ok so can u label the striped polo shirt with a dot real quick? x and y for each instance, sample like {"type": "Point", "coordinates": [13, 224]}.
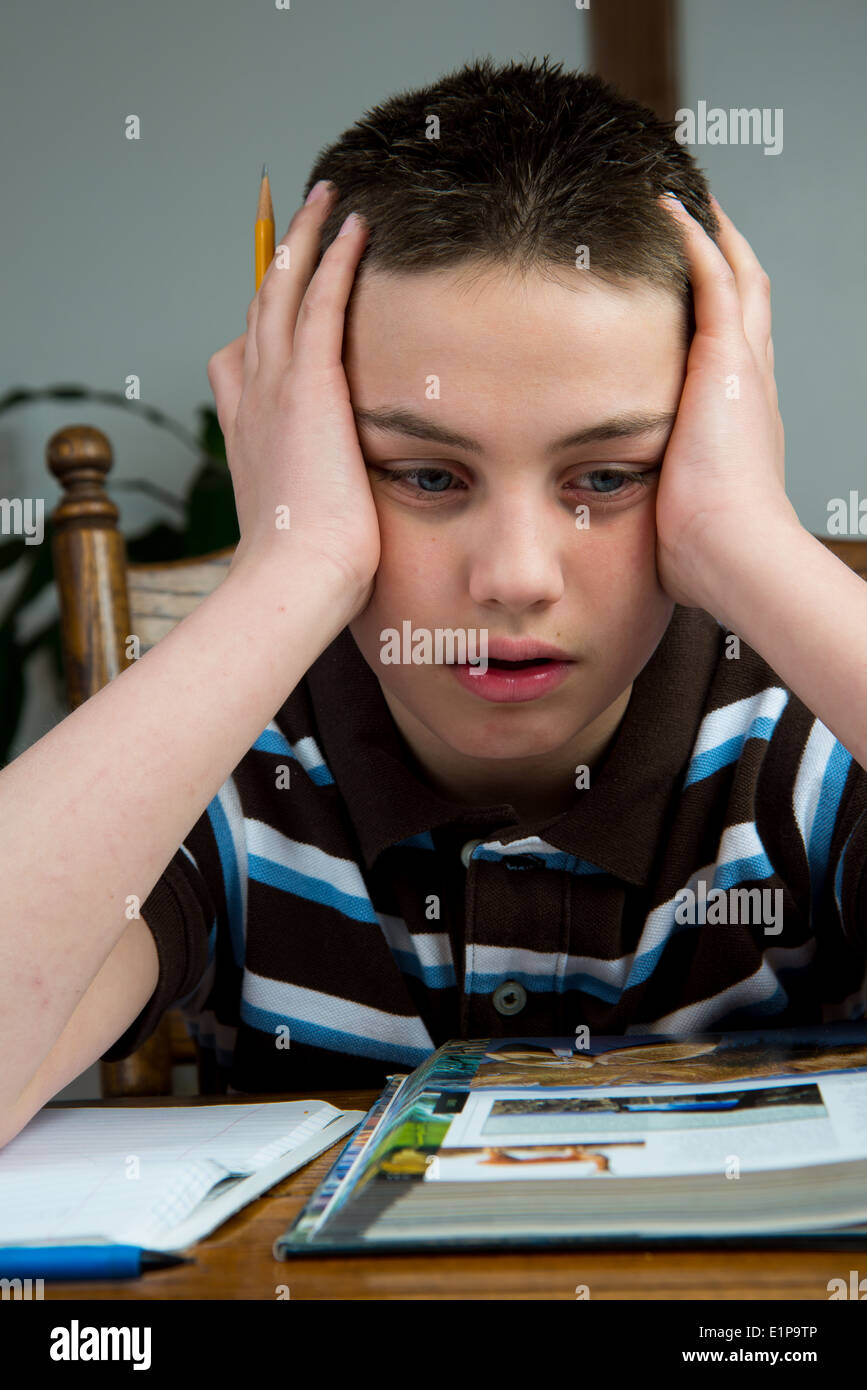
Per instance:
{"type": "Point", "coordinates": [331, 917]}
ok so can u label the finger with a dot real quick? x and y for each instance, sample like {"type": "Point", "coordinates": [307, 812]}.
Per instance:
{"type": "Point", "coordinates": [226, 377]}
{"type": "Point", "coordinates": [232, 368]}
{"type": "Point", "coordinates": [715, 293]}
{"type": "Point", "coordinates": [251, 351]}
{"type": "Point", "coordinates": [321, 321]}
{"type": "Point", "coordinates": [285, 282]}
{"type": "Point", "coordinates": [754, 286]}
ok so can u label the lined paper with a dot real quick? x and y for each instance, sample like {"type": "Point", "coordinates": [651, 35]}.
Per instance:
{"type": "Point", "coordinates": [241, 1137]}
{"type": "Point", "coordinates": [134, 1173]}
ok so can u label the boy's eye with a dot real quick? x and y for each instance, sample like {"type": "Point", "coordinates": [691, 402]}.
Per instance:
{"type": "Point", "coordinates": [428, 479]}
{"type": "Point", "coordinates": [430, 482]}
{"type": "Point", "coordinates": [419, 482]}
{"type": "Point", "coordinates": [605, 476]}
{"type": "Point", "coordinates": [614, 481]}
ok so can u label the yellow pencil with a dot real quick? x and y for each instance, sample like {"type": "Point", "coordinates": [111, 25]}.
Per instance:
{"type": "Point", "coordinates": [264, 229]}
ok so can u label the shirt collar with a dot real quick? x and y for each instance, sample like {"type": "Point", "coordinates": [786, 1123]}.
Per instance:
{"type": "Point", "coordinates": [615, 823]}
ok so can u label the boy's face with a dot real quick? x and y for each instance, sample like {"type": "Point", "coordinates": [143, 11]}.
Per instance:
{"type": "Point", "coordinates": [487, 538]}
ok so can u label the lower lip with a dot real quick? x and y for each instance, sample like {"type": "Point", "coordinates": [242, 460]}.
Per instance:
{"type": "Point", "coordinates": [504, 686]}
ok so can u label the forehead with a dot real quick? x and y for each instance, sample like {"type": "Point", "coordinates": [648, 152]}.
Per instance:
{"type": "Point", "coordinates": [497, 333]}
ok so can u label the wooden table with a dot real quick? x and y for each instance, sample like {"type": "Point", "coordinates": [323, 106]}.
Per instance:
{"type": "Point", "coordinates": [236, 1262]}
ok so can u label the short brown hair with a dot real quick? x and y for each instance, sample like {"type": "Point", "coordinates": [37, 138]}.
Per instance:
{"type": "Point", "coordinates": [530, 162]}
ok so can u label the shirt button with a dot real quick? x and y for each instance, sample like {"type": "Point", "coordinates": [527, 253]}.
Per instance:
{"type": "Point", "coordinates": [467, 851]}
{"type": "Point", "coordinates": [509, 997]}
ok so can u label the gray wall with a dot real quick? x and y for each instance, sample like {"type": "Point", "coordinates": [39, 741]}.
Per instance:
{"type": "Point", "coordinates": [135, 257]}
{"type": "Point", "coordinates": [803, 211]}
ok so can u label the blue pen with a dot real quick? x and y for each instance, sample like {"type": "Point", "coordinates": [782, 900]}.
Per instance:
{"type": "Point", "coordinates": [82, 1261]}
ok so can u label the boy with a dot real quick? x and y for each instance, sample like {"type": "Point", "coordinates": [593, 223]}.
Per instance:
{"type": "Point", "coordinates": [627, 789]}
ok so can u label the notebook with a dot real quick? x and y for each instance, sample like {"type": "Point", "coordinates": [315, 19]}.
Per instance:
{"type": "Point", "coordinates": [741, 1138]}
{"type": "Point", "coordinates": [160, 1177]}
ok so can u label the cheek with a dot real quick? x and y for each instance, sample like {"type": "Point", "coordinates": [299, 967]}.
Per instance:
{"type": "Point", "coordinates": [419, 567]}
{"type": "Point", "coordinates": [614, 564]}
{"type": "Point", "coordinates": [622, 603]}
{"type": "Point", "coordinates": [415, 581]}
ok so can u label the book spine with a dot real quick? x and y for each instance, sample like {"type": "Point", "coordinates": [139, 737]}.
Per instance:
{"type": "Point", "coordinates": [337, 1181]}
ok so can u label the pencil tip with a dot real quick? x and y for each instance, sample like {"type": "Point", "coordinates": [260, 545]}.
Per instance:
{"type": "Point", "coordinates": [264, 173]}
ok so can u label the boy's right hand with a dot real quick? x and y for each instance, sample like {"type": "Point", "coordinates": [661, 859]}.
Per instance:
{"type": "Point", "coordinates": [284, 408]}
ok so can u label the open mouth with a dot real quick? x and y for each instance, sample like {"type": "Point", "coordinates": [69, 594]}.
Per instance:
{"type": "Point", "coordinates": [505, 681]}
{"type": "Point", "coordinates": [519, 665]}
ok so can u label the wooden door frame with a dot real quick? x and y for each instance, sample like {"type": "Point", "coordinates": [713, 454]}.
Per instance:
{"type": "Point", "coordinates": [633, 47]}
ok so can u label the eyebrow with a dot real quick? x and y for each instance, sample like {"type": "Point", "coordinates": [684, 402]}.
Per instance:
{"type": "Point", "coordinates": [399, 420]}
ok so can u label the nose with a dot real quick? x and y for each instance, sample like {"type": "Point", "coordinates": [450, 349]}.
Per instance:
{"type": "Point", "coordinates": [515, 560]}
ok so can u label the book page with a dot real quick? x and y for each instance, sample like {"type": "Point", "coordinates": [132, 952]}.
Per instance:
{"type": "Point", "coordinates": [240, 1137]}
{"type": "Point", "coordinates": [95, 1202]}
{"type": "Point", "coordinates": [136, 1173]}
{"type": "Point", "coordinates": [634, 1131]}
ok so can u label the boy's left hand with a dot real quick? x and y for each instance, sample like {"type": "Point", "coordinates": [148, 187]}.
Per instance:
{"type": "Point", "coordinates": [722, 482]}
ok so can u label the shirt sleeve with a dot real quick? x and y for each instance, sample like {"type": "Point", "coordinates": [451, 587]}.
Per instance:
{"type": "Point", "coordinates": [850, 884]}
{"type": "Point", "coordinates": [181, 914]}
{"type": "Point", "coordinates": [845, 885]}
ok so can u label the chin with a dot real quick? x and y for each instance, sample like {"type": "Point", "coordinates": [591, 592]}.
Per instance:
{"type": "Point", "coordinates": [509, 737]}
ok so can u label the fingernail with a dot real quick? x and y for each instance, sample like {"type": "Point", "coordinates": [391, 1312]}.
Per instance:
{"type": "Point", "coordinates": [317, 191]}
{"type": "Point", "coordinates": [352, 221]}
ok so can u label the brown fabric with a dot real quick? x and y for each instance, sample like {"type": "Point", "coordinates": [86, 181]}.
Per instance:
{"type": "Point", "coordinates": [337, 943]}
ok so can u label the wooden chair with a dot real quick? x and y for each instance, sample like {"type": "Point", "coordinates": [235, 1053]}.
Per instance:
{"type": "Point", "coordinates": [852, 553]}
{"type": "Point", "coordinates": [102, 600]}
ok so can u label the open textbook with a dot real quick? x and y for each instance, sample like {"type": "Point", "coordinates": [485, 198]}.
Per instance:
{"type": "Point", "coordinates": [738, 1138]}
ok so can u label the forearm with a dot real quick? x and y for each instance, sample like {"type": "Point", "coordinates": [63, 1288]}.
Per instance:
{"type": "Point", "coordinates": [92, 813]}
{"type": "Point", "coordinates": [805, 613]}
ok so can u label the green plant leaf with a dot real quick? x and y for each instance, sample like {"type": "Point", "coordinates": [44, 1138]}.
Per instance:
{"type": "Point", "coordinates": [161, 543]}
{"type": "Point", "coordinates": [11, 552]}
{"type": "Point", "coordinates": [11, 688]}
{"type": "Point", "coordinates": [144, 485]}
{"type": "Point", "coordinates": [210, 435]}
{"type": "Point", "coordinates": [41, 571]}
{"type": "Point", "coordinates": [212, 520]}
{"type": "Point", "coordinates": [54, 642]}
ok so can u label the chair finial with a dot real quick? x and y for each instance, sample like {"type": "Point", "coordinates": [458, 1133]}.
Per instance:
{"type": "Point", "coordinates": [80, 457]}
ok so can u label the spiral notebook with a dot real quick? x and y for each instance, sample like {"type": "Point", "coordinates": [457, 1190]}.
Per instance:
{"type": "Point", "coordinates": [160, 1177]}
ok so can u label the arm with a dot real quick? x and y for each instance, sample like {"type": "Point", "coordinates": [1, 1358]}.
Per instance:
{"type": "Point", "coordinates": [805, 612]}
{"type": "Point", "coordinates": [729, 540]}
{"type": "Point", "coordinates": [91, 814]}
